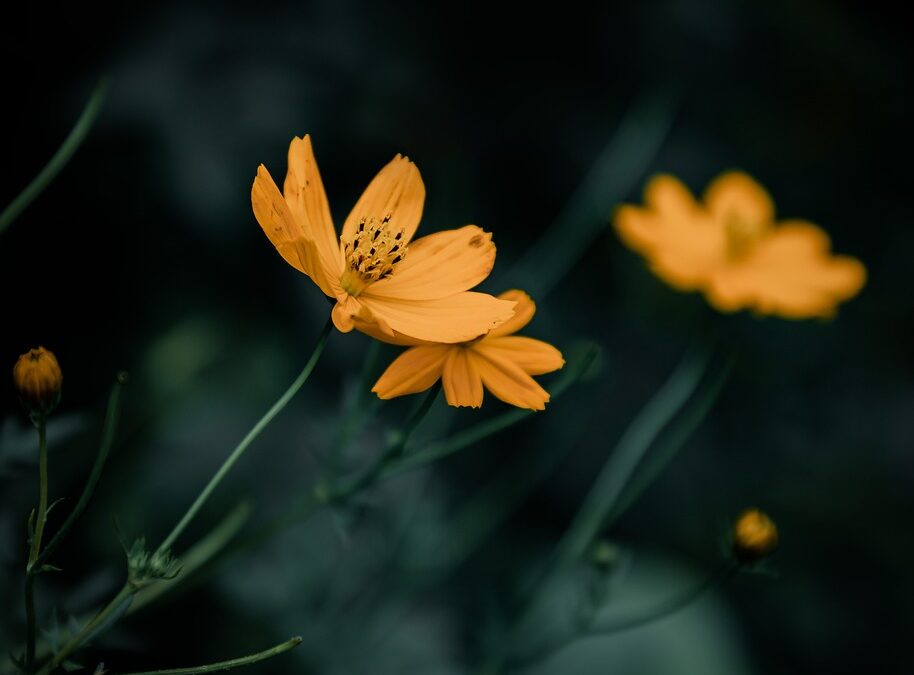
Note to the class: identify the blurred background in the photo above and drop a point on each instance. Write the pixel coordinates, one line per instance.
(144, 255)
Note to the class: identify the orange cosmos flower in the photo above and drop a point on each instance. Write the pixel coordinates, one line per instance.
(731, 249)
(379, 277)
(38, 380)
(500, 361)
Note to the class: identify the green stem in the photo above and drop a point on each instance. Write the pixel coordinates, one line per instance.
(576, 368)
(667, 607)
(59, 160)
(393, 452)
(322, 496)
(356, 413)
(198, 555)
(108, 429)
(647, 616)
(30, 622)
(42, 514)
(233, 663)
(667, 446)
(35, 549)
(109, 613)
(600, 505)
(637, 439)
(252, 434)
(393, 462)
(624, 160)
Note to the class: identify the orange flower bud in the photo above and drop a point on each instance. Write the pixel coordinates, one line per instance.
(38, 380)
(755, 536)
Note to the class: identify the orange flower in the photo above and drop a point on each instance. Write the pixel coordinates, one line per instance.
(755, 536)
(38, 380)
(499, 361)
(731, 249)
(378, 276)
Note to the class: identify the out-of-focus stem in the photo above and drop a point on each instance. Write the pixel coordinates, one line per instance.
(110, 426)
(646, 616)
(118, 603)
(40, 518)
(59, 160)
(233, 663)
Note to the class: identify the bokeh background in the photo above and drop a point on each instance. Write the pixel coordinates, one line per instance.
(144, 255)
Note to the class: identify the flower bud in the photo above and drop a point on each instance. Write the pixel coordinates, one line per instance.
(38, 380)
(755, 536)
(604, 555)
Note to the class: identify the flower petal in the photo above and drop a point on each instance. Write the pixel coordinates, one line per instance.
(668, 196)
(349, 313)
(440, 264)
(507, 381)
(371, 329)
(789, 273)
(457, 318)
(283, 230)
(397, 191)
(736, 196)
(534, 357)
(460, 379)
(413, 371)
(304, 193)
(523, 313)
(680, 241)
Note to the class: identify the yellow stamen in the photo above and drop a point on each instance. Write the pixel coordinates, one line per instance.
(742, 235)
(372, 254)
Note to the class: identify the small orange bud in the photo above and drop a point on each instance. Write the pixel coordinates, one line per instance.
(755, 536)
(38, 379)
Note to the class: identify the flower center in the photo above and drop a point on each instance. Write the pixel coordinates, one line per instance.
(372, 254)
(742, 235)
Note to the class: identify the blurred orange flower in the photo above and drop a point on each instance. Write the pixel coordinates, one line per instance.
(731, 249)
(499, 361)
(378, 276)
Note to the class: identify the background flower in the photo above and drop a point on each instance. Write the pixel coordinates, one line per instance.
(730, 248)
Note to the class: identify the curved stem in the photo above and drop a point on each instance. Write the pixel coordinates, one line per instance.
(647, 616)
(632, 446)
(393, 462)
(59, 160)
(600, 504)
(247, 440)
(435, 451)
(109, 613)
(396, 463)
(110, 425)
(667, 607)
(35, 549)
(679, 432)
(626, 157)
(393, 452)
(197, 555)
(320, 497)
(355, 414)
(233, 663)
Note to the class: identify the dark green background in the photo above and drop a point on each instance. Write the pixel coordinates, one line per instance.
(144, 254)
